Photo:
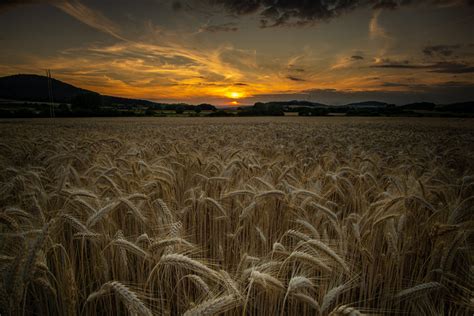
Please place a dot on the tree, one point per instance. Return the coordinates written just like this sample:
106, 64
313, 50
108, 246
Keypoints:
179, 109
89, 101
207, 107
306, 111
150, 111
197, 109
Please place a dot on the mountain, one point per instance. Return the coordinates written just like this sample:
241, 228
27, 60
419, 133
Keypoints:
427, 106
289, 104
35, 88
111, 100
367, 104
462, 107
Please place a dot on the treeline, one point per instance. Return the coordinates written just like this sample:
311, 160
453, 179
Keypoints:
369, 108
97, 101
92, 104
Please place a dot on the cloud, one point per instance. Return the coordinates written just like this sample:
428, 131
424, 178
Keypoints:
443, 92
176, 6
375, 30
357, 57
439, 67
10, 4
303, 12
90, 17
346, 62
417, 87
74, 8
138, 69
226, 27
405, 64
440, 50
395, 84
272, 13
170, 64
452, 68
386, 4
294, 78
239, 7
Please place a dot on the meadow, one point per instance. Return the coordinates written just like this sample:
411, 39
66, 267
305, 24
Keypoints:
237, 216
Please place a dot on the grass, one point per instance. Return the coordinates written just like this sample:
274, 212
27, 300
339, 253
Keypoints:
236, 216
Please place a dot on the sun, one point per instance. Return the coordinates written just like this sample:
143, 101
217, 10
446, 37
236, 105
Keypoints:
234, 103
234, 95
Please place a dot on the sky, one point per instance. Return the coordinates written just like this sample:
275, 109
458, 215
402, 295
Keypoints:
238, 52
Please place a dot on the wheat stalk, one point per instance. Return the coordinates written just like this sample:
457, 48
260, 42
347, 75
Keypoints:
128, 297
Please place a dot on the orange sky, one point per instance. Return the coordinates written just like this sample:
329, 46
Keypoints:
202, 53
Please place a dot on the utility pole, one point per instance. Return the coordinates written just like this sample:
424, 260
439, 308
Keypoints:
50, 93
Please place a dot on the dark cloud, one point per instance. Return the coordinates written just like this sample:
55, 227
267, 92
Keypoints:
239, 7
288, 12
394, 84
8, 4
453, 68
303, 12
386, 4
420, 87
293, 78
394, 4
400, 65
447, 92
440, 50
439, 67
226, 27
295, 68
357, 57
176, 5
240, 84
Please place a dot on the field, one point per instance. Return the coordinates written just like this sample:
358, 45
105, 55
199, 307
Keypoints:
242, 216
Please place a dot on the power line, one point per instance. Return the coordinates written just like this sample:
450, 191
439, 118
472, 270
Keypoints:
50, 93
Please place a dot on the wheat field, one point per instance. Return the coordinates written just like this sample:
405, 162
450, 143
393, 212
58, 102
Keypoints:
237, 216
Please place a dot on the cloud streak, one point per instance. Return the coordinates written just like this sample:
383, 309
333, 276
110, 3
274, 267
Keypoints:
357, 57
294, 78
216, 28
375, 30
75, 9
439, 67
89, 17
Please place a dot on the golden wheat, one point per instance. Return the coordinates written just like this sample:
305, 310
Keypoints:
254, 216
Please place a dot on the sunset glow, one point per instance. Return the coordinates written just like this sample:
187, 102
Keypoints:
235, 95
217, 52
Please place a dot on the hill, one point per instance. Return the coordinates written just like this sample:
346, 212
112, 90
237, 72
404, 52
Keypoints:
26, 87
291, 104
462, 107
35, 88
426, 106
368, 104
